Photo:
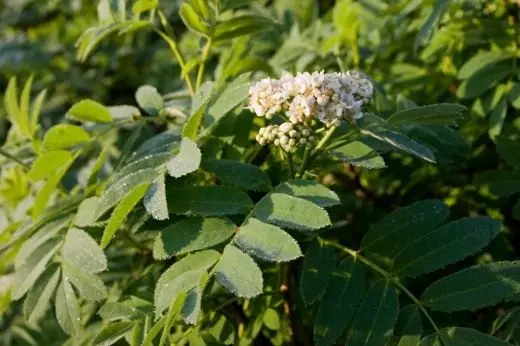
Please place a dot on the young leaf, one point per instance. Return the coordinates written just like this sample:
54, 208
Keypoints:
36, 111
33, 267
208, 201
121, 211
40, 295
459, 336
291, 212
375, 319
11, 102
149, 99
198, 110
182, 276
402, 142
445, 245
400, 227
192, 20
89, 286
474, 287
340, 302
113, 332
267, 242
359, 154
48, 163
186, 161
242, 25
192, 234
63, 136
319, 262
67, 309
408, 328
437, 114
83, 252
242, 175
43, 196
89, 110
155, 199
239, 273
309, 190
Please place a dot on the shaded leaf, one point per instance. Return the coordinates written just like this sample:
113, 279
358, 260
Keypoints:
234, 93
474, 287
436, 114
243, 175
340, 302
359, 154
408, 328
508, 150
149, 99
319, 262
113, 332
90, 287
198, 110
459, 336
155, 199
186, 161
480, 61
482, 80
500, 183
40, 295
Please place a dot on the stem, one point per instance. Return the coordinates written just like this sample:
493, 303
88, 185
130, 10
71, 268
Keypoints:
305, 161
395, 281
204, 57
178, 56
324, 140
291, 165
14, 158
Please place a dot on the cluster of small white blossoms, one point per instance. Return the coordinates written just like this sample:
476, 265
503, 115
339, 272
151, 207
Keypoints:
305, 100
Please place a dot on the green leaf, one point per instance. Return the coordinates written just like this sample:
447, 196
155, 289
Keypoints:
63, 136
90, 287
40, 294
429, 26
481, 60
508, 150
192, 234
113, 332
242, 25
459, 336
500, 183
43, 196
198, 110
48, 163
437, 114
403, 143
474, 287
36, 111
339, 303
191, 308
155, 199
11, 102
86, 214
186, 161
121, 211
24, 107
82, 251
399, 228
46, 232
239, 273
408, 328
234, 93
156, 162
89, 110
483, 80
130, 309
267, 242
123, 112
319, 262
514, 95
163, 143
231, 4
375, 319
445, 245
208, 201
192, 20
149, 99
67, 309
497, 118
291, 212
144, 5
120, 188
310, 191
242, 175
32, 268
359, 154
182, 276
173, 311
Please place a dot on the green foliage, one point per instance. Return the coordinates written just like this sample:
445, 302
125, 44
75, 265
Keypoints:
137, 209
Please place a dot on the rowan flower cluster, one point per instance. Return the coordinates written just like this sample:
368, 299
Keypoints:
306, 101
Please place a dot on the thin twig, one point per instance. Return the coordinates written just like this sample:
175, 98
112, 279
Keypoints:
14, 159
204, 57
